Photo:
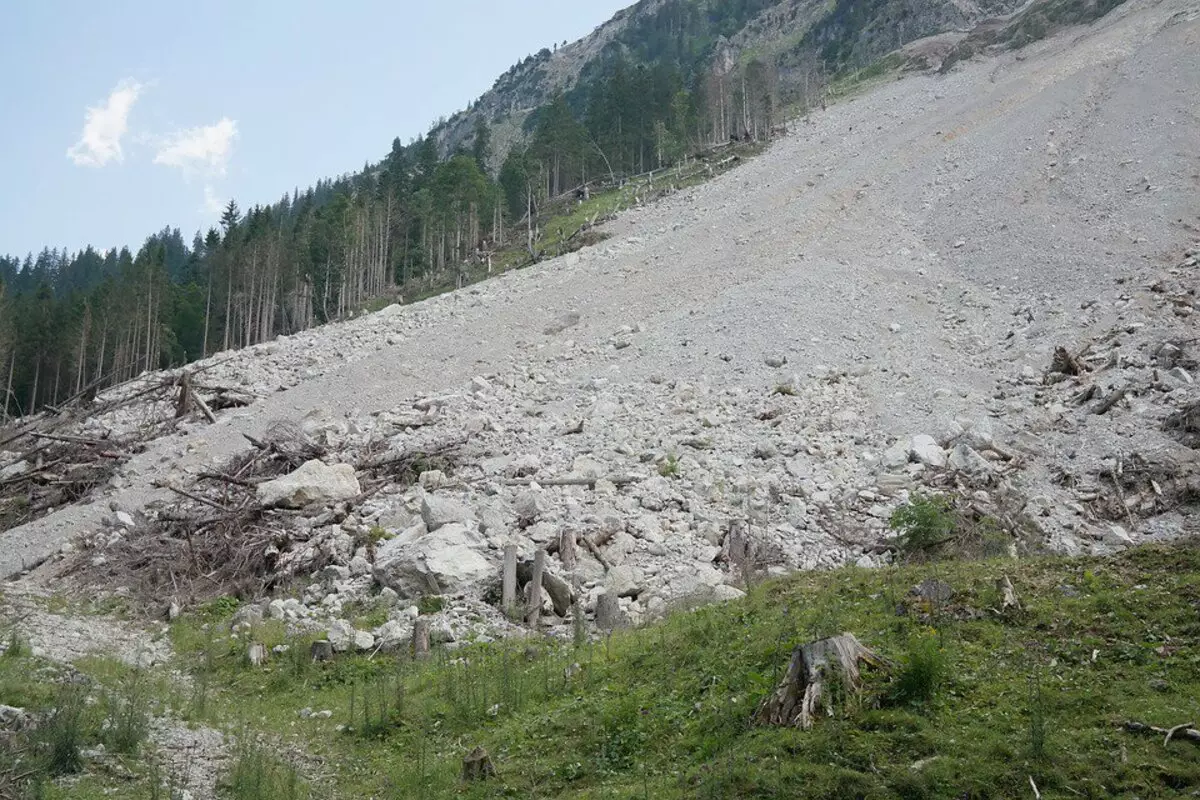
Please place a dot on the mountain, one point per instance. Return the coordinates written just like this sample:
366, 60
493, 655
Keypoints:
801, 39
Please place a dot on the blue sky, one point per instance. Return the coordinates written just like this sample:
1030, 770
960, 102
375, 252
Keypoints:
125, 116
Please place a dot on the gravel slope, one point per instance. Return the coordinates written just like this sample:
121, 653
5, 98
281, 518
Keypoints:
895, 234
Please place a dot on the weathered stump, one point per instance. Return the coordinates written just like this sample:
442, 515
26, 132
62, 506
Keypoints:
321, 651
477, 766
609, 615
533, 612
566, 548
257, 654
508, 597
801, 695
420, 639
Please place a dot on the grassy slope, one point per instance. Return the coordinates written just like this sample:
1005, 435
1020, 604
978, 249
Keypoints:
663, 712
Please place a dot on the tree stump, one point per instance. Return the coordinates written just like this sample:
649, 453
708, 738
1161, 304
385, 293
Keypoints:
321, 651
609, 616
257, 654
801, 694
533, 612
477, 766
566, 548
420, 639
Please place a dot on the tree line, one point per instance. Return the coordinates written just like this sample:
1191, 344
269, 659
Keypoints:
72, 324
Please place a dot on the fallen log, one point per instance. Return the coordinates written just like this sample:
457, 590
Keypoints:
617, 480
1184, 731
801, 695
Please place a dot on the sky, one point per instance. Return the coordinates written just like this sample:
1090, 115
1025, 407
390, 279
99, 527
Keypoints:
120, 118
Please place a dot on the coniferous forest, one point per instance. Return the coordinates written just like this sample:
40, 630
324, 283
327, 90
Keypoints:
73, 323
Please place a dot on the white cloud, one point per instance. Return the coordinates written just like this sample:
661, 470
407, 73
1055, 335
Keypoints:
212, 203
104, 126
205, 150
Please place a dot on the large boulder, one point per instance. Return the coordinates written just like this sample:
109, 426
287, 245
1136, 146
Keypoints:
438, 511
420, 562
926, 450
314, 483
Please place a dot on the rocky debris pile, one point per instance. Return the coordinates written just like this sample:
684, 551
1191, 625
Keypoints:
66, 455
1108, 428
670, 493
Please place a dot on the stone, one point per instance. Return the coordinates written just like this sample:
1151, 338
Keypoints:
775, 360
895, 456
417, 563
1180, 376
125, 519
964, 459
364, 641
432, 480
314, 483
340, 635
528, 505
393, 635
437, 512
624, 581
13, 718
14, 470
925, 449
1117, 535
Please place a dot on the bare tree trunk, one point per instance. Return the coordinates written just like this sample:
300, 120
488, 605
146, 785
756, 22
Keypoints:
533, 613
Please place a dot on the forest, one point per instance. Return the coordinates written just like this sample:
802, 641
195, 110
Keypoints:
74, 323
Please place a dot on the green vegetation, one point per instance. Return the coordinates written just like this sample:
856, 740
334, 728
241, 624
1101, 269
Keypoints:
102, 703
977, 702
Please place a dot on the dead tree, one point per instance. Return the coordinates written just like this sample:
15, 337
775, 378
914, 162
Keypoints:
802, 695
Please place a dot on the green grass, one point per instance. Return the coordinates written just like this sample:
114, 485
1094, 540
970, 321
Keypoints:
977, 702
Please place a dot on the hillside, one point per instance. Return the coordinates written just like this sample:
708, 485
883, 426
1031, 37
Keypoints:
968, 296
805, 41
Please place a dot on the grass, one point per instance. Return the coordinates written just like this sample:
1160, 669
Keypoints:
978, 700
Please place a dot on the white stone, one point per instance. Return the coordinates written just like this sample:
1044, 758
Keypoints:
340, 635
313, 483
418, 563
437, 511
363, 641
625, 581
926, 450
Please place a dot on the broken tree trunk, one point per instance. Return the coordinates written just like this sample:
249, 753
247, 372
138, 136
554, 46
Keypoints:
566, 548
508, 597
802, 695
478, 766
420, 639
533, 613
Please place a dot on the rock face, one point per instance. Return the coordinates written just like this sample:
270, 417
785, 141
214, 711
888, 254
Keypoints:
314, 483
420, 562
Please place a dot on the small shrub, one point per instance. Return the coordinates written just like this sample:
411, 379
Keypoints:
127, 720
256, 775
431, 604
62, 735
923, 670
669, 467
15, 646
1037, 717
925, 524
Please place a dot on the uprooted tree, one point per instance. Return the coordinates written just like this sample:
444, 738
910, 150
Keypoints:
803, 693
